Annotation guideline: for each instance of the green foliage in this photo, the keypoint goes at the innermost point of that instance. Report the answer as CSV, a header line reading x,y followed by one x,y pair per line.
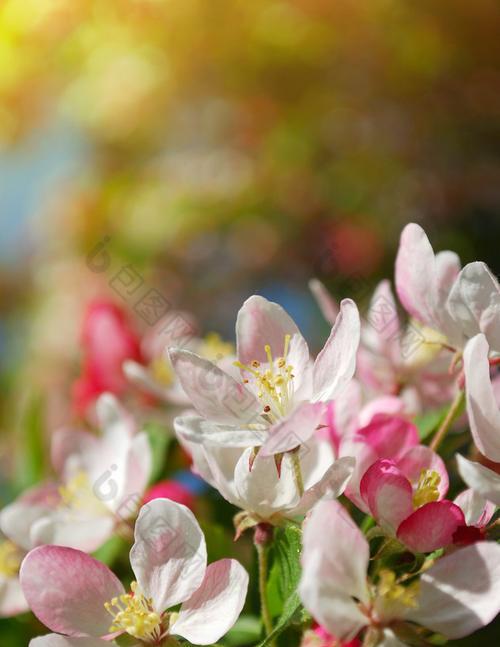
x,y
246,631
428,422
31,461
160,441
284,579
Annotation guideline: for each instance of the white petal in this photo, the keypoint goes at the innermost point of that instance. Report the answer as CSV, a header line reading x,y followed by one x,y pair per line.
x,y
214,393
262,322
169,556
476,509
195,429
331,486
12,600
64,527
17,519
335,364
334,559
294,430
261,489
461,592
474,303
482,408
480,478
214,608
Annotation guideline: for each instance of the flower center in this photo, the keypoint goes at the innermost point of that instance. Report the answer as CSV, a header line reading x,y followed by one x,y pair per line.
x,y
273,380
427,488
162,371
10,559
78,494
389,588
134,614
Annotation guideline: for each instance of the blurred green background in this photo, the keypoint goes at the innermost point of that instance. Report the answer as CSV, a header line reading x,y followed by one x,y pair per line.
x,y
221,148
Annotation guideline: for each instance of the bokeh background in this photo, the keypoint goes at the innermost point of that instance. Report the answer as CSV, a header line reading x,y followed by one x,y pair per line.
x,y
220,148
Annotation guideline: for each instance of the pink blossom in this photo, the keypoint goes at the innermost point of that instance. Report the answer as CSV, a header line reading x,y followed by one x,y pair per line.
x,y
276,400
457,595
173,490
107,341
75,595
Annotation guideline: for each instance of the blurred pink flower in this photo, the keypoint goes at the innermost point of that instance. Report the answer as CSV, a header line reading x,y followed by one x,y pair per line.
x,y
173,490
107,340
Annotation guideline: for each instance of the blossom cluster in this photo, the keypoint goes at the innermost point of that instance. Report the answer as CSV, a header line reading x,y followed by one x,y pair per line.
x,y
354,451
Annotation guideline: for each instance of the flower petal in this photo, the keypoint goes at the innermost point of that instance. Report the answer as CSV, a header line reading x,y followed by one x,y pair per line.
x,y
474,303
431,527
331,486
169,556
415,286
262,322
335,561
198,430
336,363
419,458
294,430
327,304
12,600
388,494
64,527
17,519
214,608
389,435
66,589
55,640
482,408
461,592
480,478
262,490
214,393
476,509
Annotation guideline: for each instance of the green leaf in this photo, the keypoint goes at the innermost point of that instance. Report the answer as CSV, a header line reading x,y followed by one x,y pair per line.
x,y
284,579
429,421
290,614
110,551
159,440
246,631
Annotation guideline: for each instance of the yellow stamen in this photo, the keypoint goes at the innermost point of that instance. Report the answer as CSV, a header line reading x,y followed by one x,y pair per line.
x,y
427,488
162,371
77,494
10,559
274,384
389,588
134,614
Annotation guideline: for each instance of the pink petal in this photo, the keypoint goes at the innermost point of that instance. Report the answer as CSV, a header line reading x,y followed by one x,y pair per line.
x,y
388,494
262,322
383,319
54,640
335,364
294,430
66,443
327,304
419,458
73,529
389,435
169,556
66,589
482,408
335,560
431,527
214,608
476,509
461,592
214,393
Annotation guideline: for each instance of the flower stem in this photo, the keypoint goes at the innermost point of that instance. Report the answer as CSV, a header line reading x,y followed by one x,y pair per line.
x,y
297,472
264,609
447,422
